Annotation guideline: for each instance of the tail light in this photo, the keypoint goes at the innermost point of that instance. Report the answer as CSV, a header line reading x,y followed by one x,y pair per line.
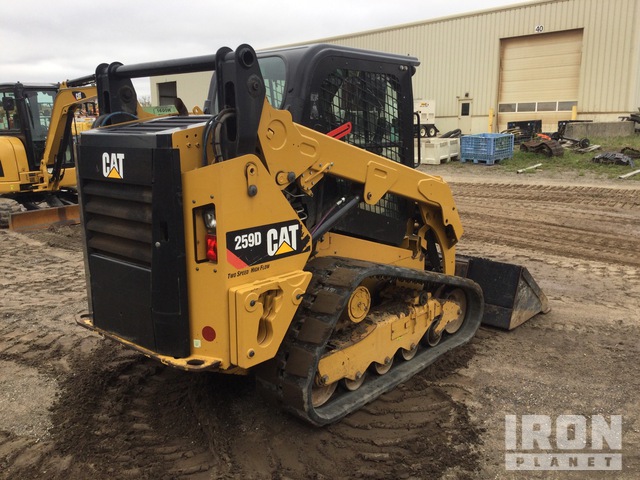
x,y
210,223
212,247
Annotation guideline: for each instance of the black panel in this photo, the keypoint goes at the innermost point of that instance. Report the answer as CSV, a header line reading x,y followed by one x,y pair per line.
x,y
168,269
131,165
121,294
132,211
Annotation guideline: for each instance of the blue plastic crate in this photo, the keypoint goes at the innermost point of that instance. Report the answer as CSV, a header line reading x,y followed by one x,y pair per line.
x,y
486,147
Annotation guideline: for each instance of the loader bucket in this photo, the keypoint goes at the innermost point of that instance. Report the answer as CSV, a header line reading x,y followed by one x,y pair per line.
x,y
44,218
511,295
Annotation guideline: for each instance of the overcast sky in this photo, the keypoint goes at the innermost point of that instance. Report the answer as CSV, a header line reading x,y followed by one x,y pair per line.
x,y
44,41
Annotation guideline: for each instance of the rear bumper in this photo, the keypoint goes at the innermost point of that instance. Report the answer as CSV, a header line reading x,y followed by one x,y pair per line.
x,y
191,363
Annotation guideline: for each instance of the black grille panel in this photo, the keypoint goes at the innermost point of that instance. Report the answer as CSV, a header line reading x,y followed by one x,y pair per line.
x,y
118,220
130,189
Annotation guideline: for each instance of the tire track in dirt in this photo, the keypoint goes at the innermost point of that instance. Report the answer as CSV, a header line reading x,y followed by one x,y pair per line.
x,y
40,291
566,195
137,421
406,433
103,412
119,415
598,224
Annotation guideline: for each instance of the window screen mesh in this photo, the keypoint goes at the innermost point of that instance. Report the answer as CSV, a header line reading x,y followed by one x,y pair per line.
x,y
370,102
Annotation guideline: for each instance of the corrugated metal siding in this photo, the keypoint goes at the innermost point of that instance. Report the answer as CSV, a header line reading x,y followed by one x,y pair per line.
x,y
461,55
634,78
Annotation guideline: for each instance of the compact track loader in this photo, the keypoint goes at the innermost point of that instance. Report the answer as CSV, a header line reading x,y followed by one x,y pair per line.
x,y
285,231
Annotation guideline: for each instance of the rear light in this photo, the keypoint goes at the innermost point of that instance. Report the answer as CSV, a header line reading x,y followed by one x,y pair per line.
x,y
212,248
211,239
209,334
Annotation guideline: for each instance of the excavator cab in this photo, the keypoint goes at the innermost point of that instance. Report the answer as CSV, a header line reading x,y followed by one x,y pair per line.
x,y
25,116
25,123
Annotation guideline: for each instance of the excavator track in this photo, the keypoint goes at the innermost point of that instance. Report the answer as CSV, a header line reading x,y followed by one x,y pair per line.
x,y
291,376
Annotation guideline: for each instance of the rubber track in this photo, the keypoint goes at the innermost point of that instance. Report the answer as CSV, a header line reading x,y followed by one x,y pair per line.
x,y
290,377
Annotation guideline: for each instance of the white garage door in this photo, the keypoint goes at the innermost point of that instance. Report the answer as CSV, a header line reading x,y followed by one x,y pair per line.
x,y
539,78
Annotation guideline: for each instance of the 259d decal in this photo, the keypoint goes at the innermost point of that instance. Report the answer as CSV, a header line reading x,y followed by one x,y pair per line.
x,y
257,245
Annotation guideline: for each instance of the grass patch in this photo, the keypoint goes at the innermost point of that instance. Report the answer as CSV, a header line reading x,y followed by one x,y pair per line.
x,y
581,163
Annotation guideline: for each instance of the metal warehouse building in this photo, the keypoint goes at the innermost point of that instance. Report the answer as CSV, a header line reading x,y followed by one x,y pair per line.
x,y
545,60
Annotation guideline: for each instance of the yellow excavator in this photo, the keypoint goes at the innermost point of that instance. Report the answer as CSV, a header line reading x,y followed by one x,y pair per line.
x,y
285,232
38,126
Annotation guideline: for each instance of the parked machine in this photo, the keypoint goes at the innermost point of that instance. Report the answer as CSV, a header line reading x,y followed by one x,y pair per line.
x,y
36,146
284,232
425,113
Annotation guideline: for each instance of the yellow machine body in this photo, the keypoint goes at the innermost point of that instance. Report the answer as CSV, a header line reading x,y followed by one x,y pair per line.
x,y
210,244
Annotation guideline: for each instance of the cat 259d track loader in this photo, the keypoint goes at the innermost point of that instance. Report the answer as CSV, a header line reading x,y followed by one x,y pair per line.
x,y
285,231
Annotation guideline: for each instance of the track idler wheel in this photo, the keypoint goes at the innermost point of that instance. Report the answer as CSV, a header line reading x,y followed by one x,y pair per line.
x,y
409,354
460,298
432,337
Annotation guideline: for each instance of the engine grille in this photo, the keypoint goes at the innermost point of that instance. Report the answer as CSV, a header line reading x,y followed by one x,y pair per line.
x,y
119,221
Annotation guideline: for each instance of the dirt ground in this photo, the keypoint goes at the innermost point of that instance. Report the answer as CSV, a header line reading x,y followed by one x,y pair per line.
x,y
76,406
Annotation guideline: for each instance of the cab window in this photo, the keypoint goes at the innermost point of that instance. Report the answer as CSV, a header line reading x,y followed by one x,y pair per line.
x,y
9,112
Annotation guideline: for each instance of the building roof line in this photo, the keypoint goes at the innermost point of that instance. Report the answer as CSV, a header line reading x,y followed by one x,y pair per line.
x,y
447,18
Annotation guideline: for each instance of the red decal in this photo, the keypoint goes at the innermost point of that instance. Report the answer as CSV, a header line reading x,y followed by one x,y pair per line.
x,y
235,261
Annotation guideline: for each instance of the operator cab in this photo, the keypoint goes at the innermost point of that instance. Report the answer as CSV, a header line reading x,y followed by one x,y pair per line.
x,y
327,86
331,89
25,113
366,96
